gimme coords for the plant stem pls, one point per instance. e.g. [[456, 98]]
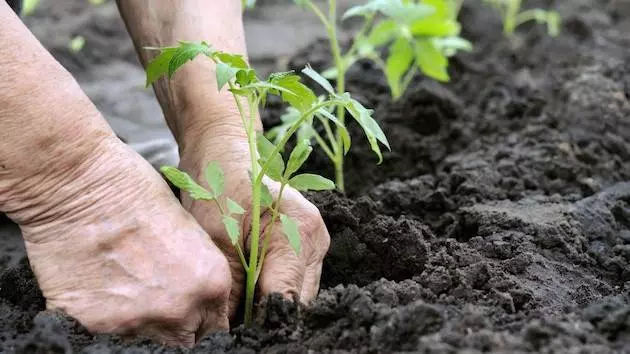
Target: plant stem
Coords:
[[509, 23], [268, 231], [255, 214], [341, 88]]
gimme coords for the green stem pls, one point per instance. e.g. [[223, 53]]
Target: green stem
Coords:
[[324, 146], [268, 231], [341, 88], [525, 16], [509, 23], [329, 133], [255, 215]]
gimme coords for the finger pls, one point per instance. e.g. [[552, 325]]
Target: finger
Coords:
[[213, 321], [283, 271], [310, 287]]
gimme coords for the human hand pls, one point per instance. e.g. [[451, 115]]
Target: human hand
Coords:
[[112, 247], [295, 276]]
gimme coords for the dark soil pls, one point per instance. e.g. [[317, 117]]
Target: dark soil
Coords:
[[500, 221]]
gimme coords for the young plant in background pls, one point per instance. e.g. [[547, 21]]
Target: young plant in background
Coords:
[[513, 17], [250, 93], [419, 36]]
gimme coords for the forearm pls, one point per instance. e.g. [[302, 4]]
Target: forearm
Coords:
[[42, 108], [190, 100]]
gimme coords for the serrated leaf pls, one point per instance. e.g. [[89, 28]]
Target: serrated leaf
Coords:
[[185, 52], [267, 156], [430, 60], [299, 96], [225, 73], [184, 182], [234, 60], [232, 228], [308, 71], [245, 77], [215, 178], [373, 132], [266, 200], [308, 181], [159, 65], [234, 207], [298, 156], [291, 231], [398, 63]]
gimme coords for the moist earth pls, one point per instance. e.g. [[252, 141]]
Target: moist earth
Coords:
[[499, 222]]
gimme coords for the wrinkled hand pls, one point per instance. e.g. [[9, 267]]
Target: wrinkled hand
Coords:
[[114, 249], [294, 276]]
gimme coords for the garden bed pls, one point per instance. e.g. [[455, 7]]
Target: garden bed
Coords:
[[500, 221]]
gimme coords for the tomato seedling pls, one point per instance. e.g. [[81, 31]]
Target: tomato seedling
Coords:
[[419, 35], [250, 93], [513, 17]]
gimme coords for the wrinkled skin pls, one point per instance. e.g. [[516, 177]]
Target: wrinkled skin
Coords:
[[295, 276]]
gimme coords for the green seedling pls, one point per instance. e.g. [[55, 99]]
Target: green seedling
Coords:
[[513, 17], [267, 162], [419, 36]]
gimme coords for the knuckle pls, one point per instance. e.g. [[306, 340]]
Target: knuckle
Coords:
[[315, 233]]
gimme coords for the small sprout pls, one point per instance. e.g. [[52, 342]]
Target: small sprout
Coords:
[[76, 44], [419, 37], [233, 72], [513, 17]]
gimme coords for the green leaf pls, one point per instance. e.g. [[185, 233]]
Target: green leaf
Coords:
[[246, 76], [435, 27], [298, 156], [291, 231], [266, 150], [373, 132], [185, 52], [398, 10], [215, 178], [29, 6], [299, 95], [159, 65], [266, 200], [450, 45], [308, 71], [308, 181], [225, 73], [184, 182], [341, 129], [398, 63], [382, 33], [232, 228], [234, 208], [233, 60], [430, 60]]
